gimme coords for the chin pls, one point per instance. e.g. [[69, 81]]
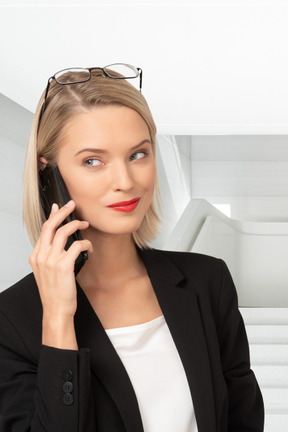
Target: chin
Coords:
[[115, 229]]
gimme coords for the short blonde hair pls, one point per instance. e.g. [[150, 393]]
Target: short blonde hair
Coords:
[[64, 102]]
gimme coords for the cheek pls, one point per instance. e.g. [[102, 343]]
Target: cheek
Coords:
[[74, 188], [150, 178], [81, 193], [80, 186]]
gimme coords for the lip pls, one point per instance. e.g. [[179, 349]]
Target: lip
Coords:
[[125, 206]]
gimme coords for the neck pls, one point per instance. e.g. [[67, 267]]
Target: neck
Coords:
[[114, 258]]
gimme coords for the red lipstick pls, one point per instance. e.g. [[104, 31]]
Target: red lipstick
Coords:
[[125, 206]]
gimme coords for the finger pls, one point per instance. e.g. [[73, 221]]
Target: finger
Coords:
[[36, 247], [56, 218], [62, 234], [57, 215], [54, 208], [67, 261], [33, 256], [79, 246], [56, 250]]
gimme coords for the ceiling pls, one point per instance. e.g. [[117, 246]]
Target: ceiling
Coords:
[[206, 63]]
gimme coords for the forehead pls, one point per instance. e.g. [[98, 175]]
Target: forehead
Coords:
[[106, 126]]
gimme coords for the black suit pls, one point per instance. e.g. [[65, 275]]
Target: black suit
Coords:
[[199, 302]]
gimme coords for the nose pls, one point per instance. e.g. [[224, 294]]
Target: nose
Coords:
[[121, 177]]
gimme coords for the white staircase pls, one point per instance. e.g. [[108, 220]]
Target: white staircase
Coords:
[[257, 256], [267, 330]]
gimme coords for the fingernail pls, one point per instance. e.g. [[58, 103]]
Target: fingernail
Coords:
[[54, 207], [69, 203]]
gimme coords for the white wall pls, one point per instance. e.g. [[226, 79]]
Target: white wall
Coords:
[[250, 173], [246, 174], [15, 123]]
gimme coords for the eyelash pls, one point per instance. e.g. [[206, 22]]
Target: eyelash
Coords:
[[145, 153], [91, 159], [86, 161]]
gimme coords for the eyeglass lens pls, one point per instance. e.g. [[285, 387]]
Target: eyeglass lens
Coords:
[[73, 75]]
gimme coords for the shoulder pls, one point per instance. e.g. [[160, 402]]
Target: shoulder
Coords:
[[206, 276], [201, 273], [21, 309], [189, 263], [24, 292], [189, 258], [21, 299]]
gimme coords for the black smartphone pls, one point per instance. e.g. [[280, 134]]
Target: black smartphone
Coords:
[[52, 189]]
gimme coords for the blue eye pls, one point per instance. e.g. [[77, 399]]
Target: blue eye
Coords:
[[137, 155], [92, 162]]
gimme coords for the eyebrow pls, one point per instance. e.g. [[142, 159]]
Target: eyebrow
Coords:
[[96, 150]]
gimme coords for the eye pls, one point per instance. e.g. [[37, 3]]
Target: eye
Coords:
[[138, 155], [92, 162]]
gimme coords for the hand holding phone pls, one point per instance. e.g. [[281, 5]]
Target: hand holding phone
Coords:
[[52, 189]]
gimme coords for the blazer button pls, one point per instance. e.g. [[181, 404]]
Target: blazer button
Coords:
[[68, 399], [67, 375], [68, 387]]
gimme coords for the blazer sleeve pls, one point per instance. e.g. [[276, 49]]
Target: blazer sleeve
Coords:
[[246, 410], [52, 395]]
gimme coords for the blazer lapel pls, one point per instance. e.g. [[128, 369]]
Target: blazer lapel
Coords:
[[181, 310], [106, 364]]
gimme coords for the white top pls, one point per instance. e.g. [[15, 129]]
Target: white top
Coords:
[[153, 364]]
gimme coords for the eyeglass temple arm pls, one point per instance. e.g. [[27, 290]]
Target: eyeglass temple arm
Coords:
[[45, 96], [140, 77]]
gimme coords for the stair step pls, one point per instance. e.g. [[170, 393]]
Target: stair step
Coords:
[[271, 376], [276, 423], [269, 355], [262, 316], [267, 331], [275, 400], [267, 334]]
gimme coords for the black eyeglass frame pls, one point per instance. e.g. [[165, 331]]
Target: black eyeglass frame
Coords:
[[104, 73]]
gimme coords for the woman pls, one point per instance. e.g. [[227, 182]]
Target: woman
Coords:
[[140, 339]]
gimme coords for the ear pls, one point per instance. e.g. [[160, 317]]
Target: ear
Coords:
[[42, 163]]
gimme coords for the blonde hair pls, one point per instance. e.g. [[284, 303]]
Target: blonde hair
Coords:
[[64, 102]]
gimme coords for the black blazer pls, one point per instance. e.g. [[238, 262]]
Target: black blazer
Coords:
[[43, 389]]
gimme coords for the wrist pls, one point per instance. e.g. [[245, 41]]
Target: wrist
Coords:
[[59, 332]]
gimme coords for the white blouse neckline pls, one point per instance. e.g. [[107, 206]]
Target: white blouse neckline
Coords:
[[136, 327]]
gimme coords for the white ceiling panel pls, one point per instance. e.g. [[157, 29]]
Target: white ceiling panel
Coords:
[[209, 67]]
